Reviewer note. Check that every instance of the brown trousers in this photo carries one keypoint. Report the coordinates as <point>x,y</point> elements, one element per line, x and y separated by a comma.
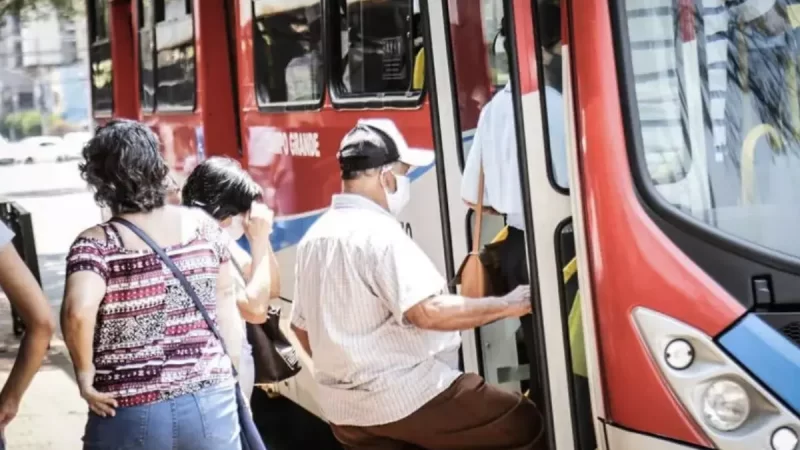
<point>470,414</point>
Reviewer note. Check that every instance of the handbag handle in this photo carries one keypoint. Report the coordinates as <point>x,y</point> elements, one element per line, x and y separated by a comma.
<point>181,277</point>
<point>476,233</point>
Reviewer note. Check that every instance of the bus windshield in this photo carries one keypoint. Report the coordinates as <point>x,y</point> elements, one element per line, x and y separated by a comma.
<point>718,112</point>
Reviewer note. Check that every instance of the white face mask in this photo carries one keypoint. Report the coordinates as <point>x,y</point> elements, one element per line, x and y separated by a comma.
<point>398,199</point>
<point>236,228</point>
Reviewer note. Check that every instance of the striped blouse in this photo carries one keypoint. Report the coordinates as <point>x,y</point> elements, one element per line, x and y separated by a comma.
<point>150,342</point>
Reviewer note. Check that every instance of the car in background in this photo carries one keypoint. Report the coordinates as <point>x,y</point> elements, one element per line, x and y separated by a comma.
<point>6,155</point>
<point>73,145</point>
<point>38,149</point>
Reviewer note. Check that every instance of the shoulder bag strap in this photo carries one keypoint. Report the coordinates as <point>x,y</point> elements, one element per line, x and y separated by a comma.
<point>180,276</point>
<point>238,268</point>
<point>476,233</point>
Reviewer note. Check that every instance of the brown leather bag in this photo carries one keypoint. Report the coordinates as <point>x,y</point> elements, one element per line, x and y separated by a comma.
<point>479,274</point>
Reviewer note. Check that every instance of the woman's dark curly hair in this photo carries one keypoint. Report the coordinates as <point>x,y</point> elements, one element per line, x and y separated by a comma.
<point>221,187</point>
<point>123,165</point>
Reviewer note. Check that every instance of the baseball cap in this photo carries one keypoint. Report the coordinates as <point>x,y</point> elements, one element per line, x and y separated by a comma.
<point>374,143</point>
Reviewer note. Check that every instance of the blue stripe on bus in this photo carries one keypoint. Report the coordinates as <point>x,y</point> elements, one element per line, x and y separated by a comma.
<point>768,355</point>
<point>288,232</point>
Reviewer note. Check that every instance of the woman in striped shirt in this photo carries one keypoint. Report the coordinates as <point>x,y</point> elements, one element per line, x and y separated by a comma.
<point>153,374</point>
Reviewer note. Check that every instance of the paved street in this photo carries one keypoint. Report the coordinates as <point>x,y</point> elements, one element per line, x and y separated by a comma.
<point>52,414</point>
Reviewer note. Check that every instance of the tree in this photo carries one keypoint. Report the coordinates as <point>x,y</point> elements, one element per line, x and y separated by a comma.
<point>19,8</point>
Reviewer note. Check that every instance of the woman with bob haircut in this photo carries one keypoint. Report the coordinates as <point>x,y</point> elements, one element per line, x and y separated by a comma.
<point>152,372</point>
<point>221,188</point>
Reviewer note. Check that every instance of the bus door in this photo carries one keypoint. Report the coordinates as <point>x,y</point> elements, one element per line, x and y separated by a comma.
<point>541,115</point>
<point>501,80</point>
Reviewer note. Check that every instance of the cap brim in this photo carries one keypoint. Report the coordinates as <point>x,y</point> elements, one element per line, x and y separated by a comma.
<point>416,157</point>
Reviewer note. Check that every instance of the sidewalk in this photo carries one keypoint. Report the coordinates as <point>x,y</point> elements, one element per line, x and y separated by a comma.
<point>52,414</point>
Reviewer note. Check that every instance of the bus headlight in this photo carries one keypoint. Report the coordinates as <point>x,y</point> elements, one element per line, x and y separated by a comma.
<point>726,405</point>
<point>784,439</point>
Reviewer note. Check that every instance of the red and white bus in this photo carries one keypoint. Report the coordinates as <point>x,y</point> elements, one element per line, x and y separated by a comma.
<point>681,120</point>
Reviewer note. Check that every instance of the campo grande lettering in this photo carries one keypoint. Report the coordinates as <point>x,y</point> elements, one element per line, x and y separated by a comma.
<point>301,144</point>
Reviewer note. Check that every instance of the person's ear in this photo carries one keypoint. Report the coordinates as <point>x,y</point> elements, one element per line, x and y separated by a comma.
<point>389,180</point>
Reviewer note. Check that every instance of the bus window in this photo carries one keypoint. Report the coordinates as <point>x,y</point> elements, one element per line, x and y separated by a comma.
<point>100,56</point>
<point>548,20</point>
<point>718,118</point>
<point>495,42</point>
<point>147,56</point>
<point>659,71</point>
<point>175,63</point>
<point>288,53</point>
<point>382,49</point>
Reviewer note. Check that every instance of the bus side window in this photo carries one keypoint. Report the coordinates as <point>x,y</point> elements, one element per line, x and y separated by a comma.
<point>288,53</point>
<point>147,57</point>
<point>495,43</point>
<point>100,56</point>
<point>175,62</point>
<point>382,52</point>
<point>548,23</point>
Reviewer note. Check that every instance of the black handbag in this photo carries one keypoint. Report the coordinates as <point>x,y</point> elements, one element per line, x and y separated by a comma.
<point>249,435</point>
<point>274,356</point>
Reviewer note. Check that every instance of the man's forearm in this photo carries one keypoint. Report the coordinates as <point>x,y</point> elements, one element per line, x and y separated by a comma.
<point>456,313</point>
<point>29,359</point>
<point>26,296</point>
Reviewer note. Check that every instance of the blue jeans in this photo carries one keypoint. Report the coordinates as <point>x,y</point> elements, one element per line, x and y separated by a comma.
<point>205,420</point>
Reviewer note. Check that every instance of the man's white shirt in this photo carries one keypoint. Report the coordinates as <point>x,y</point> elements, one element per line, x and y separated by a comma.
<point>357,273</point>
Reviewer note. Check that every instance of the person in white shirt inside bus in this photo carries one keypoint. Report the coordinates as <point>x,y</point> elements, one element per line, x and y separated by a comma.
<point>304,73</point>
<point>494,149</point>
<point>374,314</point>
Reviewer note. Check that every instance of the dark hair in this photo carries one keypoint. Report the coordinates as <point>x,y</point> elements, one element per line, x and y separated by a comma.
<point>221,187</point>
<point>123,165</point>
<point>550,24</point>
<point>506,38</point>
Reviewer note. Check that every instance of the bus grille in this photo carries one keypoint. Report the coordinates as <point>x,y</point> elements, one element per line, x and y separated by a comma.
<point>792,331</point>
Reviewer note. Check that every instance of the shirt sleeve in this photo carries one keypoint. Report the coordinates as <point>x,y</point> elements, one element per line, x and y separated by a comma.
<point>302,291</point>
<point>6,235</point>
<point>472,167</point>
<point>403,275</point>
<point>86,255</point>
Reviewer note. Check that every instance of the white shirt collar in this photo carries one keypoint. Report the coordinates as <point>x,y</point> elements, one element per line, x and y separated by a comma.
<point>345,201</point>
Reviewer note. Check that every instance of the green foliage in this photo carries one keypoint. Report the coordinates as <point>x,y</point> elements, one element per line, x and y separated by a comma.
<point>18,8</point>
<point>24,123</point>
<point>30,122</point>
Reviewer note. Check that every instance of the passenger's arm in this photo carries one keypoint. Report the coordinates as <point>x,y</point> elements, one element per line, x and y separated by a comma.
<point>28,299</point>
<point>83,293</point>
<point>252,310</point>
<point>456,313</point>
<point>408,282</point>
<point>261,271</point>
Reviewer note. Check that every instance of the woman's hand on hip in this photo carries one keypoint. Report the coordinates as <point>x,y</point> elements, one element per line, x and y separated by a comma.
<point>101,404</point>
